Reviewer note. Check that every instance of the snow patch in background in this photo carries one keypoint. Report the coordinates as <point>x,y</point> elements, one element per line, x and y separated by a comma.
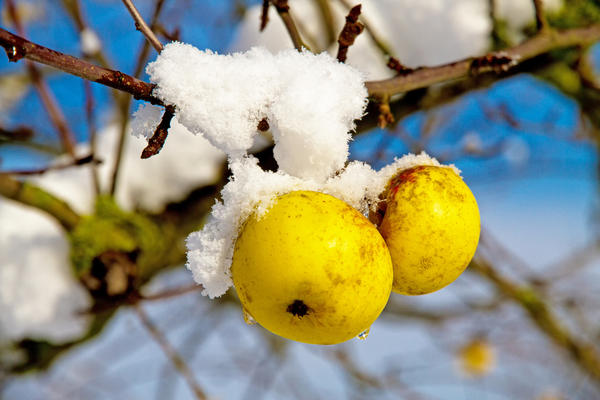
<point>419,33</point>
<point>39,296</point>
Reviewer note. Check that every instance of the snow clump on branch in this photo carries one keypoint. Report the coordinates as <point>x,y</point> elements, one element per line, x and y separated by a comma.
<point>309,100</point>
<point>310,103</point>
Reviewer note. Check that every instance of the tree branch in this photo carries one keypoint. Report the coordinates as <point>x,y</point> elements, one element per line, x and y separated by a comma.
<point>141,26</point>
<point>283,9</point>
<point>31,195</point>
<point>583,354</point>
<point>16,48</point>
<point>533,47</point>
<point>352,28</point>
<point>156,142</point>
<point>540,16</point>
<point>89,159</point>
<point>49,102</point>
<point>170,352</point>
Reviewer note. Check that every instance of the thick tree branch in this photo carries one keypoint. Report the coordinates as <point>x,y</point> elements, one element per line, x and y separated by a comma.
<point>31,195</point>
<point>533,47</point>
<point>16,48</point>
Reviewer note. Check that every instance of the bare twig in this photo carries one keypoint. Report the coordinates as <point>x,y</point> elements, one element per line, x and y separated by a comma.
<point>283,9</point>
<point>396,65</point>
<point>16,48</point>
<point>89,114</point>
<point>385,117</point>
<point>156,142</point>
<point>19,134</point>
<point>264,16</point>
<point>379,42</point>
<point>537,45</point>
<point>141,26</point>
<point>123,107</point>
<point>49,102</point>
<point>31,195</point>
<point>352,28</point>
<point>172,293</point>
<point>178,362</point>
<point>540,16</point>
<point>327,19</point>
<point>89,159</point>
<point>583,354</point>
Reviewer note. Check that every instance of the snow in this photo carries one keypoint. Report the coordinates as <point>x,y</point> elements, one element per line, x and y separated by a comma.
<point>302,95</point>
<point>519,13</point>
<point>419,33</point>
<point>39,297</point>
<point>90,42</point>
<point>252,190</point>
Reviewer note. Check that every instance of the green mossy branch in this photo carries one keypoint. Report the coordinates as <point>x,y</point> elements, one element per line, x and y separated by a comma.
<point>31,195</point>
<point>111,228</point>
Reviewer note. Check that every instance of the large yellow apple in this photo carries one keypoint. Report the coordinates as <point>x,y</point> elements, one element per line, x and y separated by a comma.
<point>312,269</point>
<point>431,226</point>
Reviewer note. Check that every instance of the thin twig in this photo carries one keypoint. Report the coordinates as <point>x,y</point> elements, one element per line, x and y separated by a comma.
<point>89,159</point>
<point>124,106</point>
<point>583,354</point>
<point>283,9</point>
<point>352,28</point>
<point>396,65</point>
<point>49,102</point>
<point>172,292</point>
<point>385,117</point>
<point>540,16</point>
<point>91,122</point>
<point>178,362</point>
<point>264,15</point>
<point>156,142</point>
<point>141,26</point>
<point>327,19</point>
<point>379,42</point>
<point>18,134</point>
